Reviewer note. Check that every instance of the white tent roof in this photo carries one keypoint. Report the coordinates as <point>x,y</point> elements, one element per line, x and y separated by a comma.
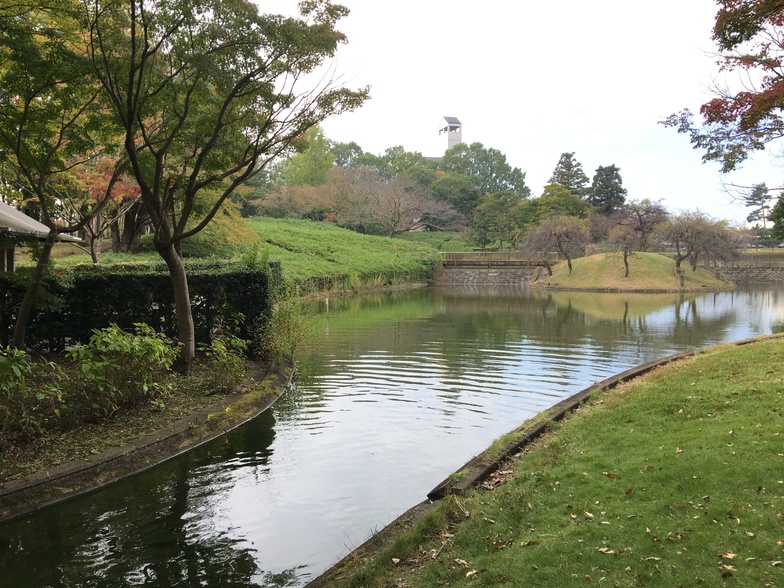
<point>18,222</point>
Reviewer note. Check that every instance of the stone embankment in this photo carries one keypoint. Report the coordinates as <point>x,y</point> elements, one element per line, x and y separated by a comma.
<point>516,276</point>
<point>519,275</point>
<point>751,275</point>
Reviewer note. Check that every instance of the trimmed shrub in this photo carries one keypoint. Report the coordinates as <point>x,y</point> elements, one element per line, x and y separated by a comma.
<point>79,300</point>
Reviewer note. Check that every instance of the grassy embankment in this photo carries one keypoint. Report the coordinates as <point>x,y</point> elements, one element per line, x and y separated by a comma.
<point>318,256</point>
<point>312,255</point>
<point>647,272</point>
<point>672,480</point>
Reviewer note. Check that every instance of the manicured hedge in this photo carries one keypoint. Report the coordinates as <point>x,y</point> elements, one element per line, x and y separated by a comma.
<point>77,300</point>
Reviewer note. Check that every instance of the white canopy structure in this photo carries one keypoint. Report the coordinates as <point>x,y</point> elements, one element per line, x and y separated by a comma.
<point>16,223</point>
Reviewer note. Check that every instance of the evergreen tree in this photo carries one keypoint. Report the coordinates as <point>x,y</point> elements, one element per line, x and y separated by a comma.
<point>758,199</point>
<point>607,191</point>
<point>569,174</point>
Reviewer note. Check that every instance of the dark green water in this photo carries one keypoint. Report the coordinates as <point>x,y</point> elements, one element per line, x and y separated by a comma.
<point>395,391</point>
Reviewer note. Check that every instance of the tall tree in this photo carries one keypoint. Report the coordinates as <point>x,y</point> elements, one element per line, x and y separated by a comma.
<point>345,154</point>
<point>750,38</point>
<point>558,200</point>
<point>495,219</point>
<point>457,190</point>
<point>207,93</point>
<point>758,199</point>
<point>569,173</point>
<point>52,125</point>
<point>487,167</point>
<point>607,192</point>
<point>309,166</point>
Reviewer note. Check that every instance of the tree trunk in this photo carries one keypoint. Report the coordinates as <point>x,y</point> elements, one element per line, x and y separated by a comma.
<point>26,307</point>
<point>95,247</point>
<point>626,263</point>
<point>182,305</point>
<point>114,230</point>
<point>128,229</point>
<point>569,263</point>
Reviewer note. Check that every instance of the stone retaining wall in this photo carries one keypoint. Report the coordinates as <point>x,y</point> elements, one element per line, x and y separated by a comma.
<point>517,276</point>
<point>473,277</point>
<point>751,275</point>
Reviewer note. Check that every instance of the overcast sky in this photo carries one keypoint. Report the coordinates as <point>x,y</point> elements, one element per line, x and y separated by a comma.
<point>536,79</point>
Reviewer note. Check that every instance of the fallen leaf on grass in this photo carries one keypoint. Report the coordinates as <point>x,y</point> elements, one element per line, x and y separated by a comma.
<point>609,475</point>
<point>395,560</point>
<point>529,542</point>
<point>461,562</point>
<point>727,555</point>
<point>606,550</point>
<point>629,491</point>
<point>472,573</point>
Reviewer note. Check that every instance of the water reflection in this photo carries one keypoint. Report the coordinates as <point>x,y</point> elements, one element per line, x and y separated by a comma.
<point>395,391</point>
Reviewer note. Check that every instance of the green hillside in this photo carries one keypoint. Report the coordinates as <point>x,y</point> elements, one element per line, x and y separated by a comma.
<point>647,272</point>
<point>321,256</point>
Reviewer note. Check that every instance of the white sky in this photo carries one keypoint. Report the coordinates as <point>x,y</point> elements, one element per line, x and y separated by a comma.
<point>535,79</point>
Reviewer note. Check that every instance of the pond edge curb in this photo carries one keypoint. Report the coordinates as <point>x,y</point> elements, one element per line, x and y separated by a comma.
<point>480,468</point>
<point>40,489</point>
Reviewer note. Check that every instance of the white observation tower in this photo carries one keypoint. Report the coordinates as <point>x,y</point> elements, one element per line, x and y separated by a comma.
<point>453,129</point>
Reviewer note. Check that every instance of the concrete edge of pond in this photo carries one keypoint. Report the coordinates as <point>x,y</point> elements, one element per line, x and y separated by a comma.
<point>481,467</point>
<point>40,489</point>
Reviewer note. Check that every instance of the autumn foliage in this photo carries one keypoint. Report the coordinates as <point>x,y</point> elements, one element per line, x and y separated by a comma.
<point>750,38</point>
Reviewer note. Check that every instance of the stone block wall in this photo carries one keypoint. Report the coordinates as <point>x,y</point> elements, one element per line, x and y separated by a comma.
<point>752,275</point>
<point>475,277</point>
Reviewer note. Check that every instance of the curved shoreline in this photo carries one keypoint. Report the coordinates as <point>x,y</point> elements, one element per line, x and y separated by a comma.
<point>40,489</point>
<point>481,467</point>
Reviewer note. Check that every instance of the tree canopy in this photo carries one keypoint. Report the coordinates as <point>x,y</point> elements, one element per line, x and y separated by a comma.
<point>487,167</point>
<point>206,93</point>
<point>569,173</point>
<point>750,38</point>
<point>607,192</point>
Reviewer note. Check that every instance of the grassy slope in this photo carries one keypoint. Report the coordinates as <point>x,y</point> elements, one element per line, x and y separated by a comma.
<point>325,256</point>
<point>647,271</point>
<point>673,480</point>
<point>314,255</point>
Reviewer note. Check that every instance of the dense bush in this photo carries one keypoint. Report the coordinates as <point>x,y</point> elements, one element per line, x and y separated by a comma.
<point>29,394</point>
<point>116,368</point>
<point>77,300</point>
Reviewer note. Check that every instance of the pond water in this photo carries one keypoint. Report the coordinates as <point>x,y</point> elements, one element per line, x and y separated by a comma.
<point>394,392</point>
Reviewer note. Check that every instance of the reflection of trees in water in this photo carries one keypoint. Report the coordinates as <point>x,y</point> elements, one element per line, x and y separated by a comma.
<point>457,322</point>
<point>104,541</point>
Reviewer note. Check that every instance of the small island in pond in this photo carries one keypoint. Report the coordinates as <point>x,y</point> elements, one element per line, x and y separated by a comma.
<point>648,272</point>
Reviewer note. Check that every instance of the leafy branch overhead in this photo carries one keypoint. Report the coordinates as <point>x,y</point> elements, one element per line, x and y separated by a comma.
<point>750,38</point>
